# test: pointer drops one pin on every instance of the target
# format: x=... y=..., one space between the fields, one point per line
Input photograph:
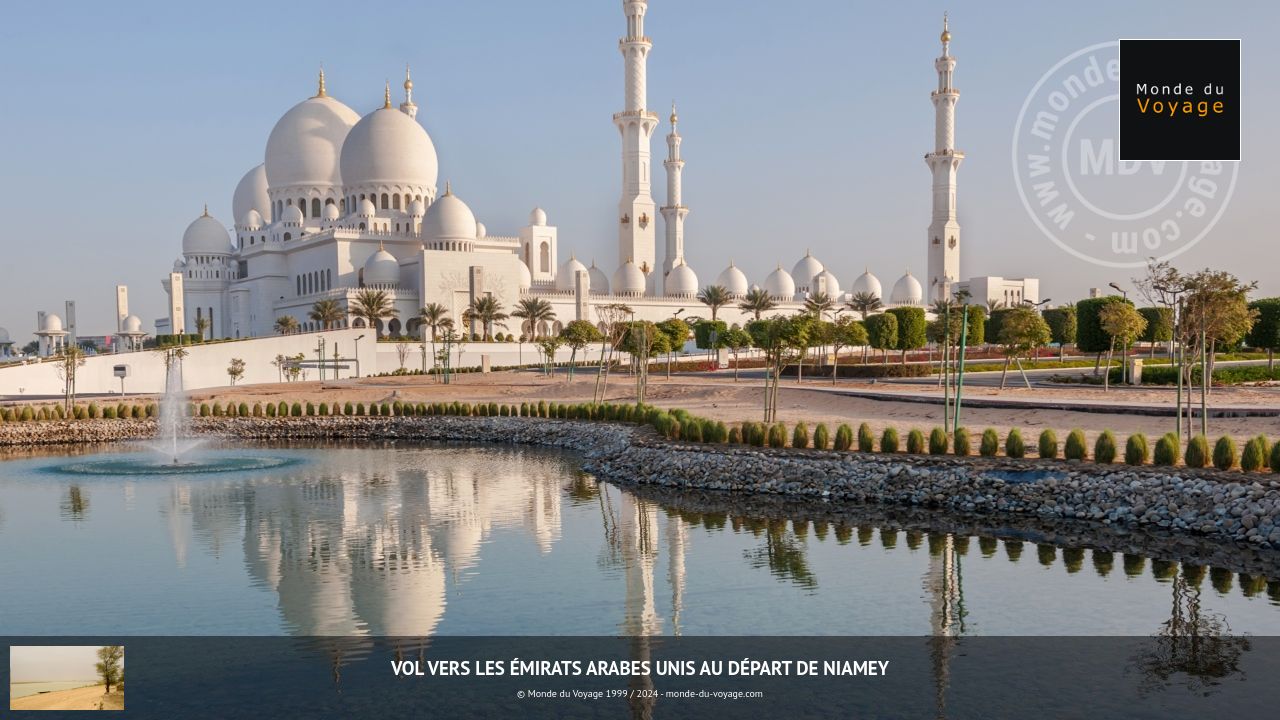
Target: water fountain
x=173 y=445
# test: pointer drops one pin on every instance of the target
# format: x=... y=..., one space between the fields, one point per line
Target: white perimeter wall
x=204 y=367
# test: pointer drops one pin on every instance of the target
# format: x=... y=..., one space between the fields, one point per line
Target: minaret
x=636 y=221
x=944 y=162
x=674 y=212
x=407 y=107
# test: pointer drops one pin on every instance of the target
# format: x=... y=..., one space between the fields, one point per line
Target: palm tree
x=757 y=302
x=818 y=305
x=326 y=312
x=864 y=302
x=488 y=312
x=373 y=306
x=533 y=312
x=286 y=324
x=714 y=297
x=432 y=317
x=994 y=304
x=202 y=327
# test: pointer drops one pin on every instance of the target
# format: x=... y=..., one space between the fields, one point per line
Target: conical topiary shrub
x=938 y=441
x=821 y=437
x=1075 y=447
x=800 y=436
x=1104 y=449
x=1254 y=457
x=1224 y=453
x=961 y=444
x=866 y=439
x=989 y=446
x=844 y=437
x=1014 y=446
x=889 y=441
x=778 y=436
x=915 y=442
x=1135 y=450
x=1047 y=446
x=1274 y=460
x=1197 y=452
x=1166 y=452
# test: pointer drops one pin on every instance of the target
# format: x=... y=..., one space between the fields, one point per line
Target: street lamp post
x=1176 y=360
x=358 y=339
x=1124 y=351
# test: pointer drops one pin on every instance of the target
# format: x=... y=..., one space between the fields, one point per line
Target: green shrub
x=43 y=414
x=232 y=411
x=218 y=410
x=915 y=442
x=722 y=433
x=937 y=441
x=989 y=445
x=282 y=409
x=1197 y=452
x=1136 y=450
x=800 y=436
x=1265 y=444
x=542 y=409
x=153 y=410
x=311 y=409
x=108 y=413
x=1224 y=453
x=961 y=444
x=1047 y=447
x=1076 y=448
x=778 y=436
x=1104 y=449
x=243 y=409
x=257 y=409
x=204 y=410
x=1014 y=446
x=348 y=408
x=271 y=409
x=821 y=437
x=889 y=440
x=1274 y=459
x=322 y=409
x=296 y=409
x=1166 y=452
x=866 y=439
x=757 y=435
x=693 y=432
x=493 y=409
x=386 y=410
x=94 y=411
x=735 y=435
x=123 y=411
x=844 y=437
x=1254 y=457
x=360 y=408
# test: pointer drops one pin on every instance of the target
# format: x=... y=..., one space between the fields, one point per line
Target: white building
x=344 y=202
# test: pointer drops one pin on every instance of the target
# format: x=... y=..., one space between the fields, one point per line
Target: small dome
x=305 y=144
x=907 y=291
x=251 y=194
x=628 y=280
x=367 y=208
x=568 y=274
x=526 y=277
x=868 y=283
x=331 y=212
x=833 y=285
x=381 y=269
x=133 y=324
x=52 y=324
x=449 y=218
x=179 y=264
x=805 y=270
x=481 y=230
x=417 y=208
x=733 y=280
x=538 y=217
x=387 y=147
x=599 y=281
x=206 y=236
x=251 y=220
x=292 y=215
x=780 y=285
x=682 y=282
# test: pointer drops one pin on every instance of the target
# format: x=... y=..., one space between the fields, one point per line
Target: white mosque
x=343 y=202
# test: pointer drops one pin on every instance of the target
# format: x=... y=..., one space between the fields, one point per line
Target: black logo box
x=1186 y=68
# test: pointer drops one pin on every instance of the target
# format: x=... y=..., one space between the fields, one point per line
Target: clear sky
x=804 y=125
x=55 y=663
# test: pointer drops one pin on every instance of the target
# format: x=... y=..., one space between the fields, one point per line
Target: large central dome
x=304 y=146
x=387 y=148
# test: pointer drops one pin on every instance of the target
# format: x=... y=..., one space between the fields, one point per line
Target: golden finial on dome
x=408 y=81
x=946 y=33
x=386 y=96
x=448 y=187
x=320 y=91
x=674 y=118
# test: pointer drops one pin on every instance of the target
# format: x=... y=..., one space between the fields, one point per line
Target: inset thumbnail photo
x=66 y=677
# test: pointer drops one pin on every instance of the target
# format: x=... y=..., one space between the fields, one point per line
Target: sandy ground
x=85 y=698
x=813 y=401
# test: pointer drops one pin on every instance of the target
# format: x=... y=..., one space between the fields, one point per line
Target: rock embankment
x=1227 y=507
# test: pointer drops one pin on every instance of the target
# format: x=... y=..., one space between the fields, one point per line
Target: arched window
x=395 y=202
x=361 y=226
x=289 y=202
x=544 y=258
x=302 y=205
x=328 y=282
x=288 y=237
x=385 y=201
x=315 y=207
